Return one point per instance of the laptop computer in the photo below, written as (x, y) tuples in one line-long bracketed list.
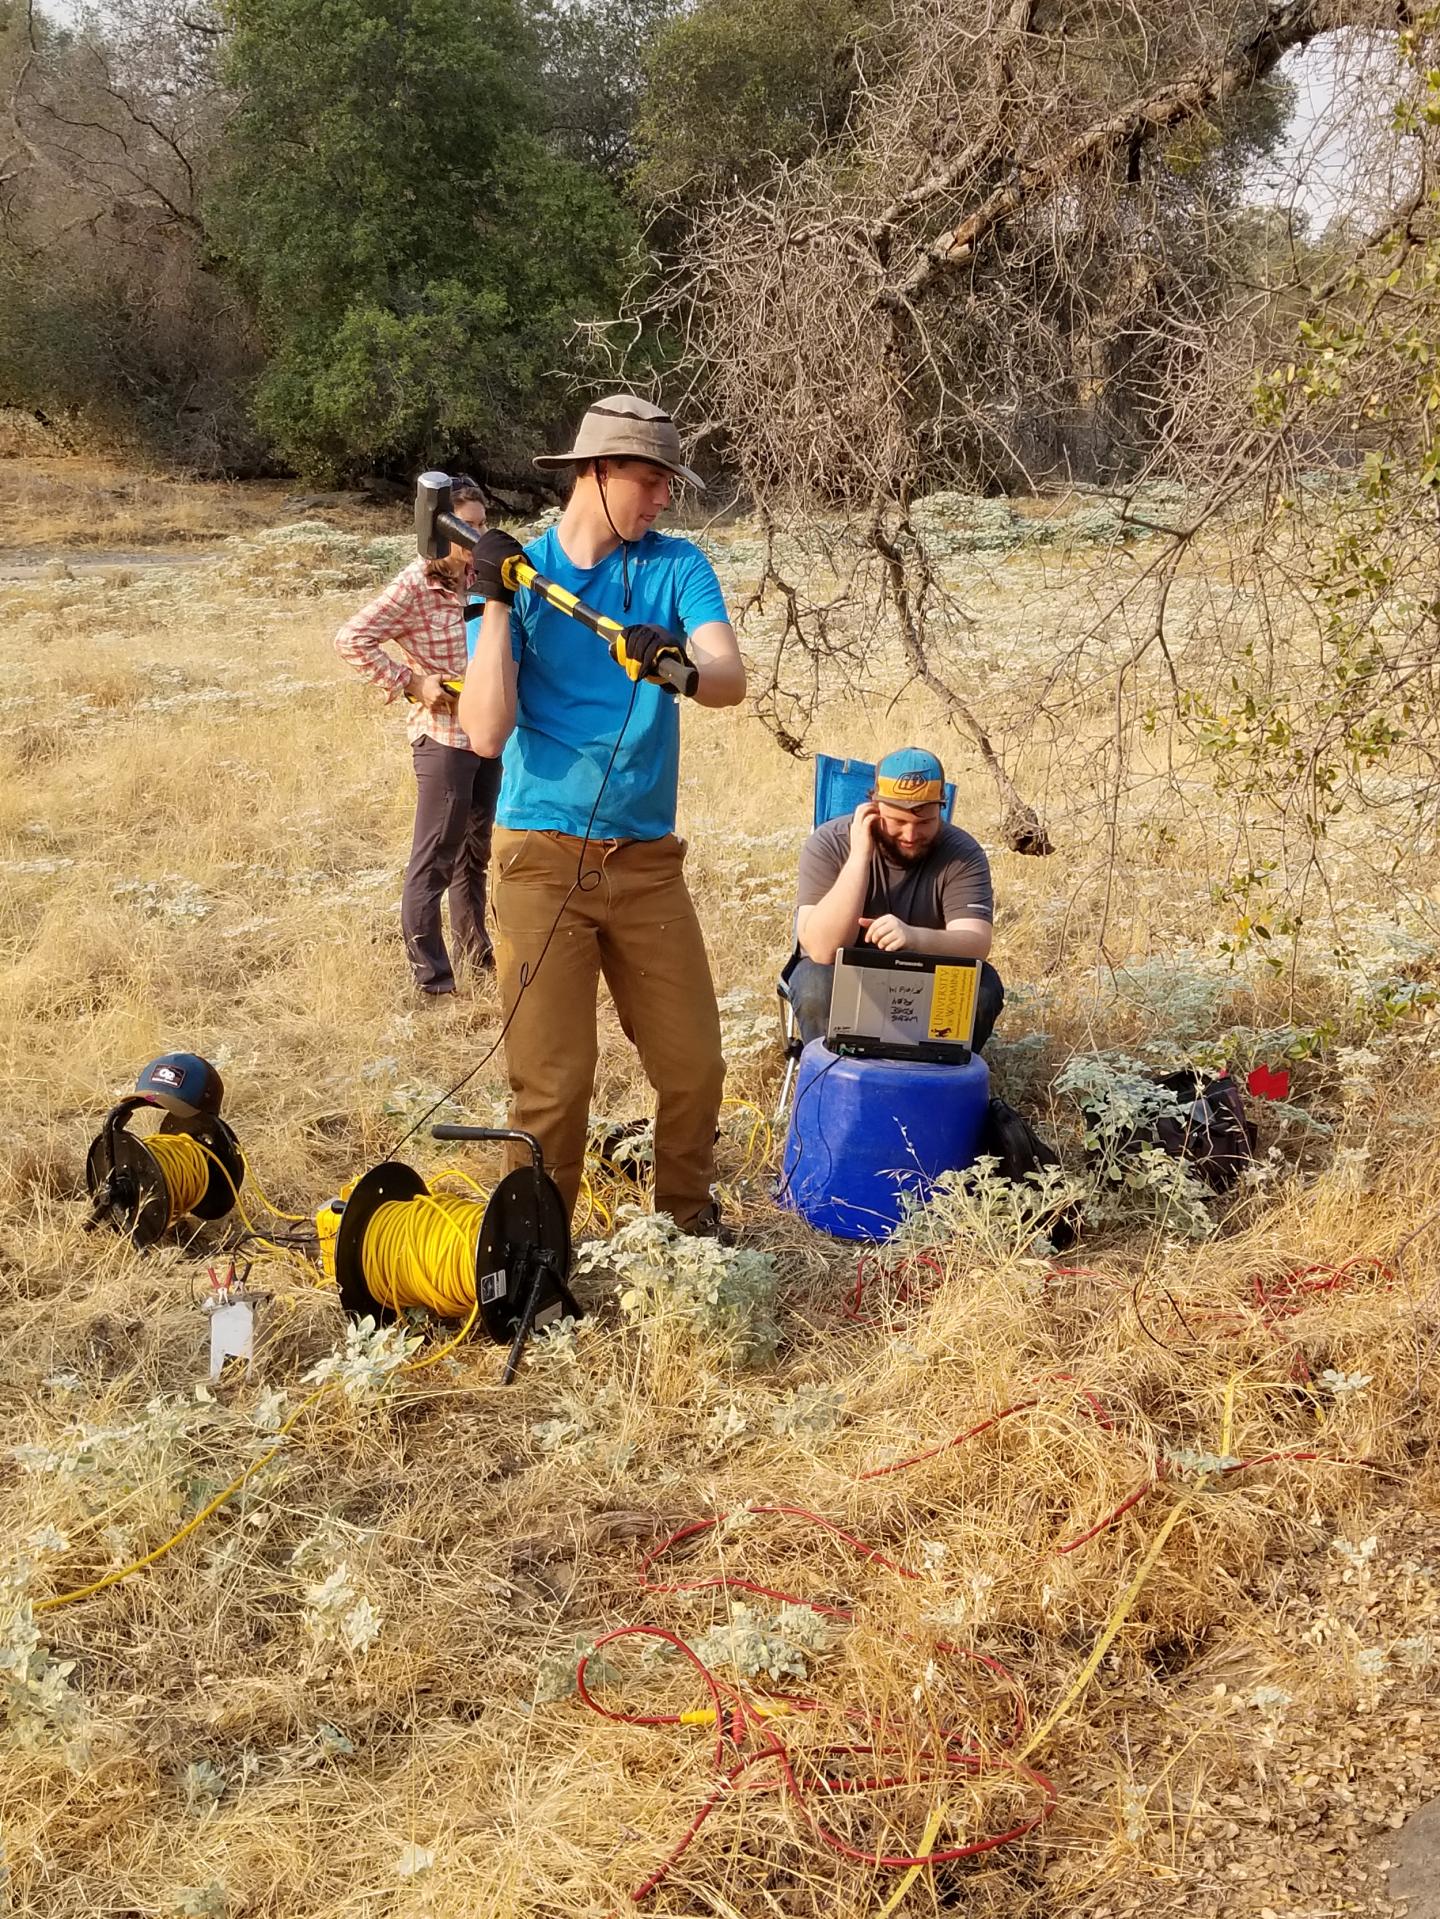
[(902, 1006)]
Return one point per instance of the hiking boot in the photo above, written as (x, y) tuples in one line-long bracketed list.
[(708, 1224)]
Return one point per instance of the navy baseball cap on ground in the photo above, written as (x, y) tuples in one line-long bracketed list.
[(910, 777)]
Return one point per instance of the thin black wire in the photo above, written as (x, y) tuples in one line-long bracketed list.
[(583, 882), (788, 1177)]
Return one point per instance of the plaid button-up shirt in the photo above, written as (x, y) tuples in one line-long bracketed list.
[(426, 623)]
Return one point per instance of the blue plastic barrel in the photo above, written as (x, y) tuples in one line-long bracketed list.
[(865, 1131)]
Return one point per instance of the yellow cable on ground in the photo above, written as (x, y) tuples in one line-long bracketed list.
[(443, 1352), (927, 1841), (1112, 1625), (418, 1253), (198, 1519), (1132, 1592), (296, 1219), (761, 1125), (587, 1193), (595, 1207), (1102, 1645), (113, 1578)]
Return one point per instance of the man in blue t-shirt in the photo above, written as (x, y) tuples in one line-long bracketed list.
[(588, 869)]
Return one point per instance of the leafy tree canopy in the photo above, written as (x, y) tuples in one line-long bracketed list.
[(735, 85), (416, 252)]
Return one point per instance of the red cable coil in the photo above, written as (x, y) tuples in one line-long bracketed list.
[(950, 1752), (904, 1293), (746, 1719)]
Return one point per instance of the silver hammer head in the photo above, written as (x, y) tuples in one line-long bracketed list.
[(432, 499)]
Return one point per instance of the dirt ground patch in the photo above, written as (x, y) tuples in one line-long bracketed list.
[(1411, 1863)]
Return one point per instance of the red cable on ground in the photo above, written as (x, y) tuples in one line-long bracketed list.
[(902, 1271), (723, 1582), (800, 1775), (1279, 1298), (1289, 1293), (934, 1452), (1104, 1525), (1079, 1272), (1096, 1406), (748, 1719), (1102, 1418)]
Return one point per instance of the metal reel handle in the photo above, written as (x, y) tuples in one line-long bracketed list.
[(445, 1130)]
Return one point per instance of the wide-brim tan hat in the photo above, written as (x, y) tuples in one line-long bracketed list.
[(625, 427)]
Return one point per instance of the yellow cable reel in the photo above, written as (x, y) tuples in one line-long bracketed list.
[(191, 1168), (397, 1245)]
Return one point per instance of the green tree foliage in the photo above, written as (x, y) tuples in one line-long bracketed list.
[(416, 253), (735, 85), (593, 65)]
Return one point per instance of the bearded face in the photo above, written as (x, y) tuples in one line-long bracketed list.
[(906, 837)]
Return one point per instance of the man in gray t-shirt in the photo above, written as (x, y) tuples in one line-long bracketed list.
[(894, 875)]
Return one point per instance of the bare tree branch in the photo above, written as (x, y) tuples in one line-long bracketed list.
[(1209, 85)]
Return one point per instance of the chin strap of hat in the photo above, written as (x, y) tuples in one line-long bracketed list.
[(624, 543)]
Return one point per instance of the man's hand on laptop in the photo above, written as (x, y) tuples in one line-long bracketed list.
[(891, 935)]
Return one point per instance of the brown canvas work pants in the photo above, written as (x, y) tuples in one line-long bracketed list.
[(633, 920)]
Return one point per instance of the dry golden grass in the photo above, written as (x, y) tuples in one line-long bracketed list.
[(74, 507), (202, 827)]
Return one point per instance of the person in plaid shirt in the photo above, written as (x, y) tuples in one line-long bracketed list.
[(421, 614)]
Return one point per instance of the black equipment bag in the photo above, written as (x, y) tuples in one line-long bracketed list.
[(1010, 1138), (1212, 1134)]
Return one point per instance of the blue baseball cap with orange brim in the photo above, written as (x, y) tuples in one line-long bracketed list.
[(911, 778)]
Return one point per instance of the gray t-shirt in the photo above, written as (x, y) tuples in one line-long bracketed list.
[(952, 882)]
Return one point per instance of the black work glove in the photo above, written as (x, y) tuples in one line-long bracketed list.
[(640, 649), (492, 550)]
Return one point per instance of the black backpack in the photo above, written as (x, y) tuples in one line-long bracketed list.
[(1212, 1134), (1010, 1138)]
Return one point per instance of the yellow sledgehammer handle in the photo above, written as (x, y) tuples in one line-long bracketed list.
[(436, 526), (679, 674), (517, 573)]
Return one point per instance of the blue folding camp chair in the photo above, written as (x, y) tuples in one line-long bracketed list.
[(840, 786)]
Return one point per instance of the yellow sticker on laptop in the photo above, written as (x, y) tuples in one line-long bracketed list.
[(952, 1005)]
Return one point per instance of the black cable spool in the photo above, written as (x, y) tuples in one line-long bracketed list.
[(522, 1253), (125, 1181)]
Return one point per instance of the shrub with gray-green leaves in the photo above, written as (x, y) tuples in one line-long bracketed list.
[(1133, 1182), (674, 1280)]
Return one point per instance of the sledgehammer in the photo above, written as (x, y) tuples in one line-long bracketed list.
[(436, 526)]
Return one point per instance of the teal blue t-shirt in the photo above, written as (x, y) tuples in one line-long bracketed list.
[(571, 698)]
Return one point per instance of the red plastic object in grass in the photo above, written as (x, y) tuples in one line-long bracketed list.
[(1269, 1082)]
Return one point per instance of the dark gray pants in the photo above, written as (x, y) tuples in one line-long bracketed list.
[(454, 811), (810, 985)]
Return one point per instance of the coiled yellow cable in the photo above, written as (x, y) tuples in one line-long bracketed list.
[(184, 1167), (421, 1252)]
